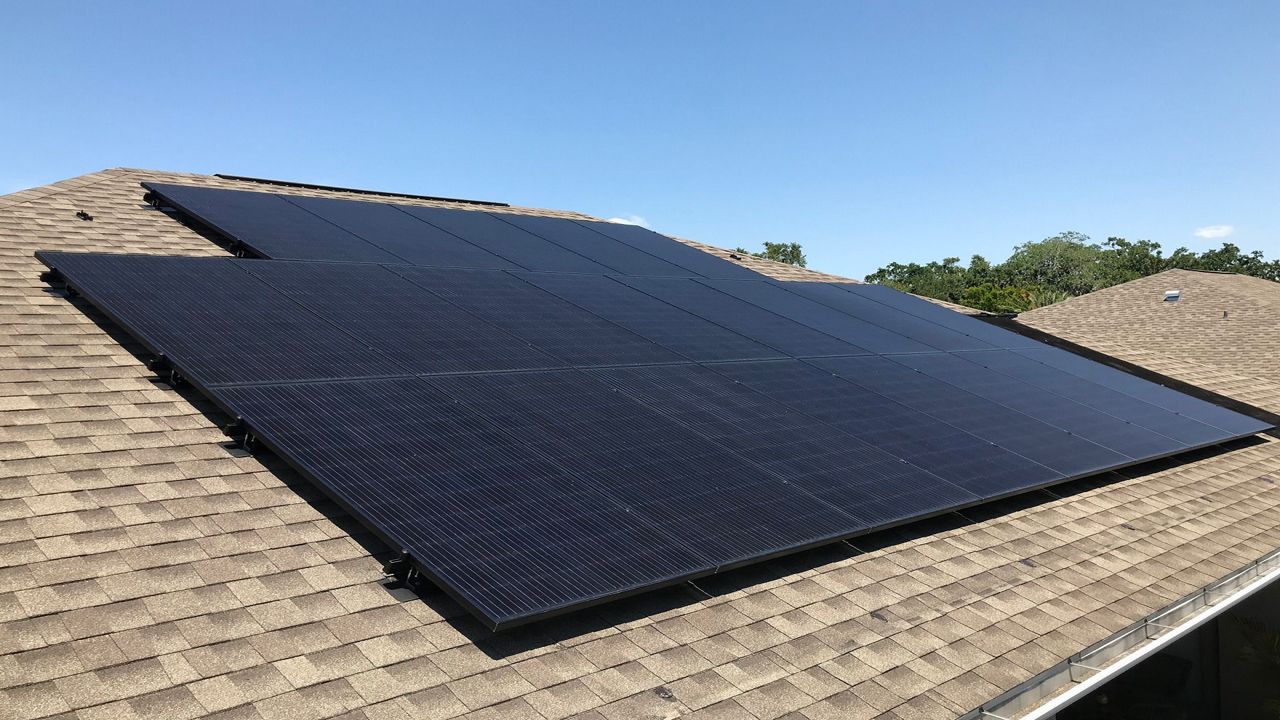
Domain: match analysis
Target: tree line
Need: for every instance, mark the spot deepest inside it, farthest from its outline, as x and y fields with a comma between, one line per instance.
x=1056, y=268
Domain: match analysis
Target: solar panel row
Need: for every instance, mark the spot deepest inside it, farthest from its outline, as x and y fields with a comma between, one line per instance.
x=543, y=441
x=294, y=227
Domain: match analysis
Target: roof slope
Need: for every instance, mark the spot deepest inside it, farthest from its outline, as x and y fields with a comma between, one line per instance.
x=1223, y=334
x=146, y=570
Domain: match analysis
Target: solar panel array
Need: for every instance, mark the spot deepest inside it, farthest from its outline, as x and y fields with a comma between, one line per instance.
x=295, y=227
x=539, y=439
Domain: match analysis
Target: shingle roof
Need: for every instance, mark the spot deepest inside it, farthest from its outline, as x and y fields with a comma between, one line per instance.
x=1223, y=334
x=146, y=570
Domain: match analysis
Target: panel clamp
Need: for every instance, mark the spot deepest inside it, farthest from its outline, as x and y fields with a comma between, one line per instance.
x=401, y=569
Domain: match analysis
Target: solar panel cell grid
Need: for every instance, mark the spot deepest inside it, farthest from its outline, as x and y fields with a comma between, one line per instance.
x=752, y=321
x=997, y=424
x=619, y=257
x=876, y=313
x=421, y=331
x=657, y=469
x=815, y=315
x=269, y=225
x=873, y=486
x=566, y=332
x=225, y=325
x=925, y=310
x=970, y=372
x=402, y=235
x=505, y=240
x=676, y=253
x=686, y=334
x=506, y=531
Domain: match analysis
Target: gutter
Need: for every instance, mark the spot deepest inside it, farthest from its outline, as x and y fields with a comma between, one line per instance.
x=1086, y=671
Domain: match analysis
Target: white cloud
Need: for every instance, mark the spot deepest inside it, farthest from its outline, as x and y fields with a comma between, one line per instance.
x=1215, y=231
x=630, y=220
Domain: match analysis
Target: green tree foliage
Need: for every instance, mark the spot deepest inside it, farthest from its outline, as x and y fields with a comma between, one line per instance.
x=1056, y=268
x=789, y=253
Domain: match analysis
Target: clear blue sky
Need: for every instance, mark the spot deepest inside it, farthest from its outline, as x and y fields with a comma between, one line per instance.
x=868, y=131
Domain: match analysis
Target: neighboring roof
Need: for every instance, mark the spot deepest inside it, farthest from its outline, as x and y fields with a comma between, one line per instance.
x=1222, y=334
x=147, y=570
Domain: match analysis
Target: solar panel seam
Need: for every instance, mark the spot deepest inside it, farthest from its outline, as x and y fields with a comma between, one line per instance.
x=674, y=344
x=935, y=415
x=235, y=238
x=924, y=306
x=508, y=218
x=728, y=286
x=585, y=475
x=792, y=287
x=1028, y=418
x=354, y=234
x=630, y=281
x=399, y=209
x=539, y=291
x=703, y=317
x=907, y=408
x=975, y=357
x=680, y=254
x=498, y=217
x=504, y=239
x=859, y=443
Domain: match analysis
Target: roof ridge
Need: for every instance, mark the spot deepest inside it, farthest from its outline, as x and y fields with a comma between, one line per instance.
x=43, y=191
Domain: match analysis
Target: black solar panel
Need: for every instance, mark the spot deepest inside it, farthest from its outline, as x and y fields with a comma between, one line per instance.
x=268, y=225
x=782, y=334
x=877, y=313
x=997, y=424
x=664, y=324
x=660, y=471
x=676, y=253
x=948, y=451
x=564, y=331
x=837, y=324
x=938, y=315
x=506, y=240
x=397, y=232
x=421, y=331
x=507, y=532
x=224, y=324
x=1147, y=392
x=971, y=372
x=541, y=441
x=618, y=256
x=872, y=486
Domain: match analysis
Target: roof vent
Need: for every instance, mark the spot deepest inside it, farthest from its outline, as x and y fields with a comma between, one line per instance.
x=1172, y=295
